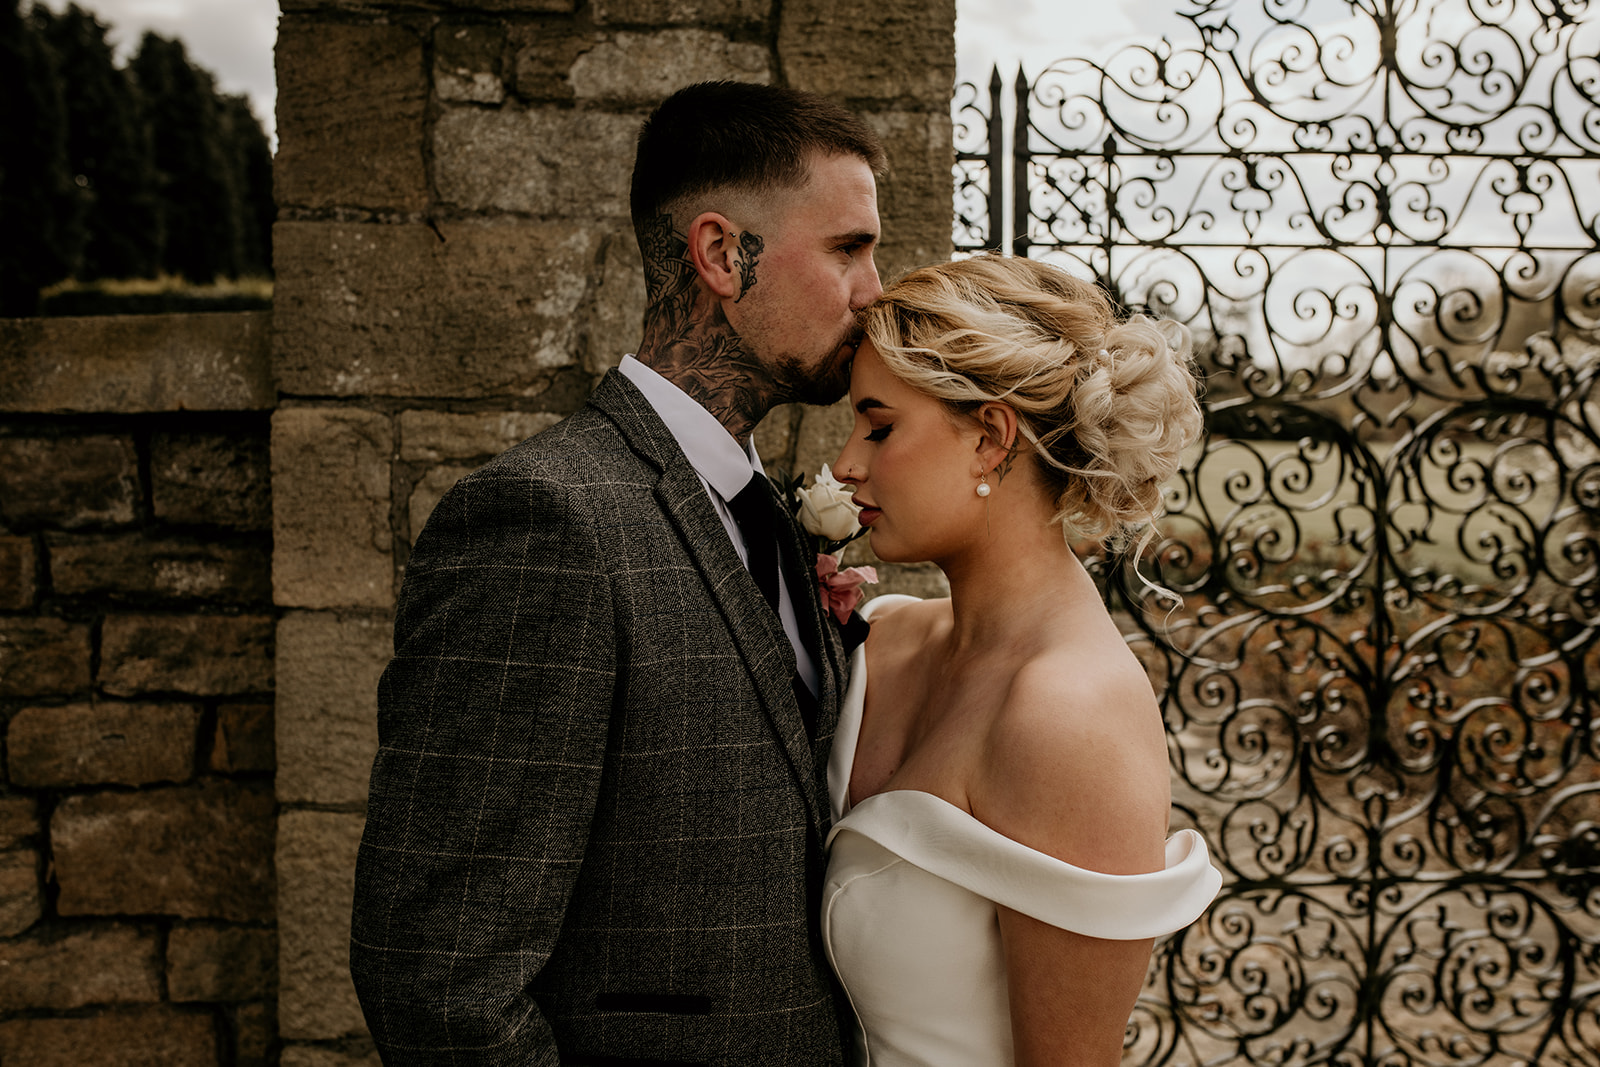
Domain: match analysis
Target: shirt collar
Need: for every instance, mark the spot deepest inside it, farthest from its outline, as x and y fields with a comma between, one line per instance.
x=711, y=450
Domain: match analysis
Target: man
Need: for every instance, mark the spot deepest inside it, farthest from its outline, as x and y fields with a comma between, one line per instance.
x=599, y=801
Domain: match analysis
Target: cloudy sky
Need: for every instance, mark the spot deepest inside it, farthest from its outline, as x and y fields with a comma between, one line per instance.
x=233, y=38
x=230, y=38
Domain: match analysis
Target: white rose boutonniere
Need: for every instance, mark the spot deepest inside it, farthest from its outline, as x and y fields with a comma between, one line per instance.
x=828, y=512
x=827, y=509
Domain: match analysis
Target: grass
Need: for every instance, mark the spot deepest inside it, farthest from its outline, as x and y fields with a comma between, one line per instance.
x=259, y=287
x=163, y=293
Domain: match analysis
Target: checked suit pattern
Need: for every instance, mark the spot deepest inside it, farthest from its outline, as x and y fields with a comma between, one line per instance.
x=596, y=816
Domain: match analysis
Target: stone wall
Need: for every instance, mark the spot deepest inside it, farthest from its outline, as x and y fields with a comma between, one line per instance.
x=455, y=268
x=204, y=519
x=137, y=896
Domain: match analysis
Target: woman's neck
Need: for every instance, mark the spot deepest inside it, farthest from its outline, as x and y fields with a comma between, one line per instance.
x=1010, y=584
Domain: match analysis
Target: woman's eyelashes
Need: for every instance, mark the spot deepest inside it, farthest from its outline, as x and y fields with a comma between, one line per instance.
x=880, y=433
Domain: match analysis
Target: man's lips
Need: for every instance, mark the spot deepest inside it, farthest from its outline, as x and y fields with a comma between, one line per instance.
x=852, y=341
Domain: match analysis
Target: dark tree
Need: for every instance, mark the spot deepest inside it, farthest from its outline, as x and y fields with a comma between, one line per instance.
x=250, y=160
x=109, y=172
x=108, y=149
x=200, y=219
x=40, y=214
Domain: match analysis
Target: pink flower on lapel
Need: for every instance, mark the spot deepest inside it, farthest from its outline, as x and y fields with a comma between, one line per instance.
x=841, y=590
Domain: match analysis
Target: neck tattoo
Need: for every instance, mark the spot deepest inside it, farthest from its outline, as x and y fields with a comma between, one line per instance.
x=688, y=339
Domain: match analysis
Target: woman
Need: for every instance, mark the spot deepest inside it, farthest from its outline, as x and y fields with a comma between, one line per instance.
x=998, y=865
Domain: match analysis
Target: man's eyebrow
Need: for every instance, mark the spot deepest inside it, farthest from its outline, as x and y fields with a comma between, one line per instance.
x=859, y=237
x=867, y=403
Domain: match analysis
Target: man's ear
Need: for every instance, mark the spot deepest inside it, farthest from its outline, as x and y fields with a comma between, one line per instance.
x=999, y=425
x=714, y=251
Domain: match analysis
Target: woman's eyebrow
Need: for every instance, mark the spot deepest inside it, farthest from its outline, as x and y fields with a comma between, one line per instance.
x=867, y=403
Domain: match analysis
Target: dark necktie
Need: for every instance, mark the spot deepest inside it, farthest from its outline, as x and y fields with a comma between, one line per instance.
x=752, y=509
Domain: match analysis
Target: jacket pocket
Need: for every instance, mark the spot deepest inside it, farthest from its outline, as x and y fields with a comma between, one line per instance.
x=654, y=1003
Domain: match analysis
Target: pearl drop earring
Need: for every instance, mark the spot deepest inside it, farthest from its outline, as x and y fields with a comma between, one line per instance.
x=983, y=485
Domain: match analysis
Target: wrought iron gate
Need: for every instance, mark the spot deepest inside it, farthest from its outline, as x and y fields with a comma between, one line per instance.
x=1381, y=220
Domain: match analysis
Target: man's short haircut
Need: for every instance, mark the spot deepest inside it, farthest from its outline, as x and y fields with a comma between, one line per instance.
x=723, y=134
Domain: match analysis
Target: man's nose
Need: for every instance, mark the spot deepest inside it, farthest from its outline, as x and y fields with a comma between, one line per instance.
x=868, y=288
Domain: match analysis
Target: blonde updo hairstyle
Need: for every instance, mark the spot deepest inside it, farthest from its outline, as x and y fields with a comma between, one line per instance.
x=1106, y=407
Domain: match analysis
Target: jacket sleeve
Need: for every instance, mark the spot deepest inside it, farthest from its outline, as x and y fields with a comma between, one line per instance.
x=492, y=726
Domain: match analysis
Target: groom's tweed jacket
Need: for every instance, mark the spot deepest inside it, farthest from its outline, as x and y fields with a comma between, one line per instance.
x=596, y=822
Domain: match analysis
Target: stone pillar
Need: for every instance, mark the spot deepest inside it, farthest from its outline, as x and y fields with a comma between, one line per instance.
x=455, y=269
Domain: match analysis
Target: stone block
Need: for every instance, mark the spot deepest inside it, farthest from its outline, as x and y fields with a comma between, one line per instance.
x=138, y=567
x=137, y=363
x=544, y=53
x=327, y=706
x=19, y=819
x=212, y=479
x=615, y=322
x=102, y=744
x=18, y=566
x=245, y=739
x=436, y=436
x=158, y=1036
x=468, y=63
x=330, y=479
x=893, y=51
x=21, y=903
x=646, y=68
x=222, y=965
x=316, y=865
x=543, y=161
x=43, y=657
x=198, y=852
x=68, y=482
x=823, y=431
x=924, y=580
x=476, y=309
x=352, y=98
x=254, y=1029
x=318, y=1056
x=200, y=655
x=776, y=436
x=914, y=193
x=427, y=493
x=111, y=964
x=672, y=12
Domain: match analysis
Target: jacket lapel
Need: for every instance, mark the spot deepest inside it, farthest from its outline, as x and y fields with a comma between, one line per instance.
x=819, y=633
x=756, y=631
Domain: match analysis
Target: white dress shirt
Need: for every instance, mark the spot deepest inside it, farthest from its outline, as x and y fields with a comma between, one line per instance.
x=724, y=469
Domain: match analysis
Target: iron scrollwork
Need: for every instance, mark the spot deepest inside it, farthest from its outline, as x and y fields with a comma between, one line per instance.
x=1380, y=219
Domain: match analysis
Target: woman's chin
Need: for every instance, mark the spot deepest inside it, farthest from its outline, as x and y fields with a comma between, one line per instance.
x=887, y=551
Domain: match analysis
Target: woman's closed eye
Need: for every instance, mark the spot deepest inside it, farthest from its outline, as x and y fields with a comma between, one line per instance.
x=880, y=433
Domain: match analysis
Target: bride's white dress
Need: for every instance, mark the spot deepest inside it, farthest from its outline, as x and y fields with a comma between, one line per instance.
x=909, y=920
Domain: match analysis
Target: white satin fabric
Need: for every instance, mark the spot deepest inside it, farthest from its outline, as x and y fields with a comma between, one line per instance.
x=909, y=920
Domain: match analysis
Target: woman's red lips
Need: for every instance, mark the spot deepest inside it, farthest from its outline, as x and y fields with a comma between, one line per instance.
x=869, y=515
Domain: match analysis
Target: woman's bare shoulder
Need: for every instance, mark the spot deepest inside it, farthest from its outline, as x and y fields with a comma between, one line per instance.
x=889, y=605
x=1075, y=762
x=907, y=621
